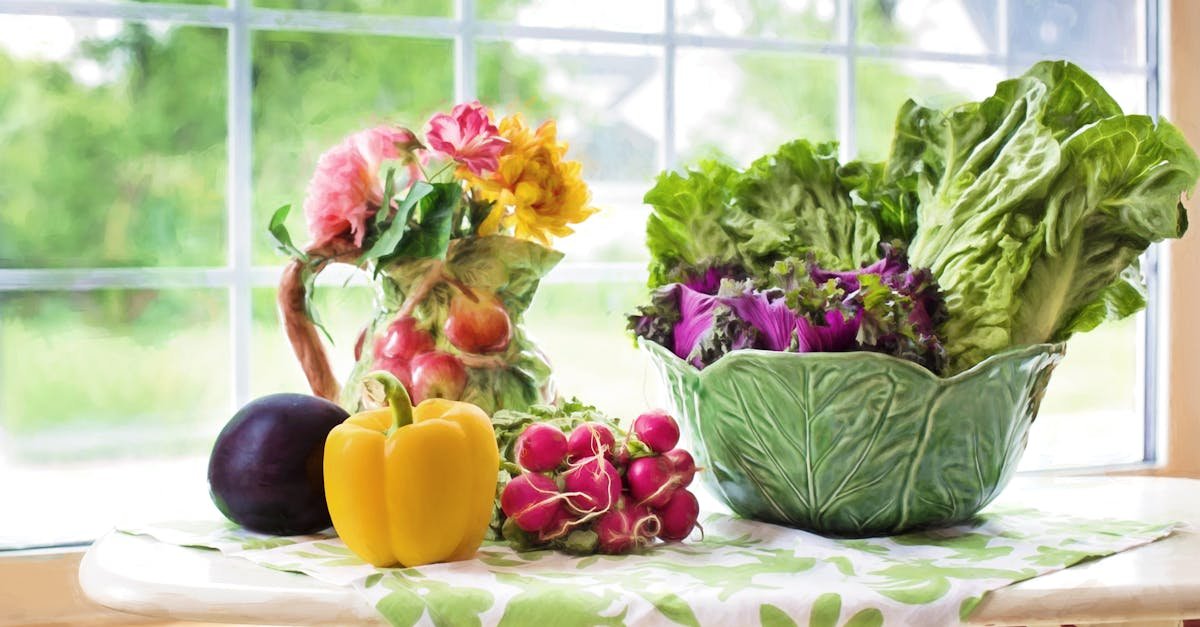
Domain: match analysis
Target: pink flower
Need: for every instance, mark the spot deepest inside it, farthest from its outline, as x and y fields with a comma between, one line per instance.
x=341, y=194
x=391, y=142
x=467, y=136
x=346, y=188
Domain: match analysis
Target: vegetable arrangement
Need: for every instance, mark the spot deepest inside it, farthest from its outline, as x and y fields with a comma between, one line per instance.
x=573, y=480
x=1012, y=221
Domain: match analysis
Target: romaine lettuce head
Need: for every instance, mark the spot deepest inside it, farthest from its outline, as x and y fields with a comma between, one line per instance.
x=1034, y=206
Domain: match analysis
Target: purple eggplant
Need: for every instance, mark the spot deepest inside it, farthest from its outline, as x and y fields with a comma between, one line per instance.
x=265, y=472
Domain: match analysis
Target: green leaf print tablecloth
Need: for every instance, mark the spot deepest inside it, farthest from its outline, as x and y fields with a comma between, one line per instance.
x=740, y=573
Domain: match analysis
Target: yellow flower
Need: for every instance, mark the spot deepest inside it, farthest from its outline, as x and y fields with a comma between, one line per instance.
x=534, y=191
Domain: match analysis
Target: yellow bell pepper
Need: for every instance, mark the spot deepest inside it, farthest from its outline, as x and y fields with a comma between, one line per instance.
x=410, y=486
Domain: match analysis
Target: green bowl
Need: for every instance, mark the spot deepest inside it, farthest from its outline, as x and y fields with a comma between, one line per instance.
x=856, y=444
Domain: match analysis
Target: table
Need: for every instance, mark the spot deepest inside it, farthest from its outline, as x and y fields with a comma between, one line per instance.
x=1157, y=582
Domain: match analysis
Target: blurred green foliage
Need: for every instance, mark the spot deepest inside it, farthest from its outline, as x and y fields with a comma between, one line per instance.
x=115, y=156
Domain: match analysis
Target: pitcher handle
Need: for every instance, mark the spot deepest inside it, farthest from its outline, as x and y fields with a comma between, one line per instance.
x=301, y=332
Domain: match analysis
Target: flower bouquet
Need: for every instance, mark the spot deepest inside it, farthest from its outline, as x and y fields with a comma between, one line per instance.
x=859, y=348
x=454, y=232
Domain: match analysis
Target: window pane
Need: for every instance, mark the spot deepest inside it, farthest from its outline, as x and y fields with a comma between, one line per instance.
x=607, y=100
x=618, y=15
x=344, y=312
x=882, y=86
x=112, y=150
x=102, y=394
x=425, y=8
x=1090, y=415
x=790, y=19
x=582, y=330
x=959, y=26
x=311, y=89
x=745, y=104
x=1108, y=31
x=1128, y=89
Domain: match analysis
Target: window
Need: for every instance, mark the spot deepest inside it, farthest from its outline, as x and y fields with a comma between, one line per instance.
x=144, y=144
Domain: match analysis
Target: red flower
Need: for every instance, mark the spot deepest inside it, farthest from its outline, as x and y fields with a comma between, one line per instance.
x=467, y=136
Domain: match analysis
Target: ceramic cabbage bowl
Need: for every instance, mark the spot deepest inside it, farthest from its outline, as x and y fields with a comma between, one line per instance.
x=856, y=444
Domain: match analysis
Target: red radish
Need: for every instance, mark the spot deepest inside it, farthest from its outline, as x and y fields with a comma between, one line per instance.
x=478, y=323
x=657, y=430
x=541, y=447
x=438, y=375
x=564, y=520
x=625, y=528
x=532, y=500
x=684, y=465
x=620, y=457
x=589, y=440
x=403, y=340
x=651, y=480
x=678, y=516
x=592, y=485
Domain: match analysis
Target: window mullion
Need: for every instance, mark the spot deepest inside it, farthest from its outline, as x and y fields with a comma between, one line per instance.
x=1148, y=355
x=464, y=53
x=847, y=83
x=669, y=58
x=240, y=154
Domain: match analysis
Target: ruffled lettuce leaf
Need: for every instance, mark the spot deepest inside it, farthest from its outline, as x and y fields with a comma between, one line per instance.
x=798, y=202
x=1034, y=205
x=684, y=230
x=794, y=203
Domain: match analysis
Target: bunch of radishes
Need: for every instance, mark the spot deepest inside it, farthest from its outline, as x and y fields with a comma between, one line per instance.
x=583, y=491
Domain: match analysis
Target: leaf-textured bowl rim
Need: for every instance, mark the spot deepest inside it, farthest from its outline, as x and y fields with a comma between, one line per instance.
x=1057, y=350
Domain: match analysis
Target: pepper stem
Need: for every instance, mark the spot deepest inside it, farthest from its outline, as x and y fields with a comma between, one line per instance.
x=397, y=398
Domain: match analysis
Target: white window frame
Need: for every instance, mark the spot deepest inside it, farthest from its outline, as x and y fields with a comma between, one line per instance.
x=239, y=275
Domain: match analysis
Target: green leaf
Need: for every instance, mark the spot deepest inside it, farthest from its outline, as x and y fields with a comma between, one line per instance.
x=266, y=543
x=507, y=266
x=1035, y=205
x=542, y=603
x=389, y=190
x=843, y=565
x=793, y=203
x=826, y=610
x=587, y=561
x=398, y=226
x=430, y=237
x=771, y=616
x=401, y=608
x=372, y=580
x=310, y=290
x=334, y=549
x=869, y=617
x=969, y=546
x=454, y=606
x=967, y=606
x=684, y=227
x=279, y=232
x=674, y=608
